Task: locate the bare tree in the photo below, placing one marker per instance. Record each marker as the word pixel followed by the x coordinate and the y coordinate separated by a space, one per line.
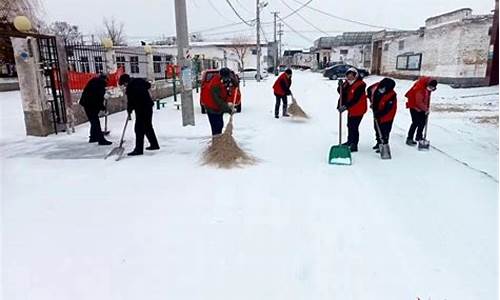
pixel 9 9
pixel 68 32
pixel 114 30
pixel 240 47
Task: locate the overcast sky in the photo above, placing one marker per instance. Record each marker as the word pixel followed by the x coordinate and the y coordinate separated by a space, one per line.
pixel 149 19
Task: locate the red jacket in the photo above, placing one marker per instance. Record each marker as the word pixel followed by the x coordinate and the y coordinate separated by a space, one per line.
pixel 418 96
pixel 354 98
pixel 282 85
pixel 216 86
pixel 384 109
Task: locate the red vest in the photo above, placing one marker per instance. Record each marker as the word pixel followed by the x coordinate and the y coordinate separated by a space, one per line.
pixel 208 101
pixel 278 90
pixel 389 117
pixel 418 92
pixel 359 108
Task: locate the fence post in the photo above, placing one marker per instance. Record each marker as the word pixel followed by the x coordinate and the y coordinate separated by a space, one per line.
pixel 174 81
pixel 110 58
pixel 63 69
pixel 150 67
pixel 35 105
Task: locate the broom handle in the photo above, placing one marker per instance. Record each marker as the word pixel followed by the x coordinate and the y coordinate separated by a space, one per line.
pixel 340 114
pixel 426 125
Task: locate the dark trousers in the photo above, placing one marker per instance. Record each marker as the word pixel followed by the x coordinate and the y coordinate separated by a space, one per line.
pixel 280 99
pixel 216 122
pixel 385 129
pixel 418 119
pixel 95 125
pixel 144 126
pixel 353 129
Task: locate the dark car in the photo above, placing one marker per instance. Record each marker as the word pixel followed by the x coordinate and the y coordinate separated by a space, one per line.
pixel 338 71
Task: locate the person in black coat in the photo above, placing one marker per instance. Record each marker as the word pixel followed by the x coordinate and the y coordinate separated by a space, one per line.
pixel 92 100
pixel 139 100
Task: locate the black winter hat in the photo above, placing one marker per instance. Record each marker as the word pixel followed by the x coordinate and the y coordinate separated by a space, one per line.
pixel 225 72
pixel 124 78
pixel 388 83
pixel 433 83
pixel 288 71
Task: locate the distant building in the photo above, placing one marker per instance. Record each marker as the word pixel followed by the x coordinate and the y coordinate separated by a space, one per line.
pixel 452 47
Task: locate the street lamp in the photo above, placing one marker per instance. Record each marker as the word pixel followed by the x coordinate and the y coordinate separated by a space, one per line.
pixel 107 43
pixel 22 23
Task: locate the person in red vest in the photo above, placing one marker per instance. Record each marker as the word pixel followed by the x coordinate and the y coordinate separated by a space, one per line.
pixel 384 102
pixel 220 99
pixel 353 100
pixel 281 90
pixel 419 97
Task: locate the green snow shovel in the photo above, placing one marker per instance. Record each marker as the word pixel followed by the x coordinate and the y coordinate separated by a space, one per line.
pixel 340 154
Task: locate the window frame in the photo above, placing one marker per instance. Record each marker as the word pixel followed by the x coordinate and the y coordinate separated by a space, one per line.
pixel 407 64
pixel 134 65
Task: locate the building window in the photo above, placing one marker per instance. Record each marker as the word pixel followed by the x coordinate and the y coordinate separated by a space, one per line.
pixel 99 67
pixel 386 47
pixel 409 62
pixel 157 63
pixel 344 51
pixel 134 64
pixel 401 45
pixel 120 62
pixel 84 64
pixel 254 51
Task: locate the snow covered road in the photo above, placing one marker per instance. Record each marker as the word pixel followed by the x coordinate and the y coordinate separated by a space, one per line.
pixel 424 224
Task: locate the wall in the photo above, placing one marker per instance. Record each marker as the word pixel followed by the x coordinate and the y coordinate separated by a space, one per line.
pixel 453 52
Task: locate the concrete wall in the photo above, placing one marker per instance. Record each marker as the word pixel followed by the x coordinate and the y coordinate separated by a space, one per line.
pixel 356 55
pixel 117 102
pixel 454 49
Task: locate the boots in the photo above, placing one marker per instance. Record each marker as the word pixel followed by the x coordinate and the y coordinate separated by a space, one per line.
pixel 104 142
pixel 354 148
pixel 153 148
pixel 135 153
pixel 410 142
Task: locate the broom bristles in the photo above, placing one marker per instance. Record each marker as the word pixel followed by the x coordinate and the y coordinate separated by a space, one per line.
pixel 295 110
pixel 224 152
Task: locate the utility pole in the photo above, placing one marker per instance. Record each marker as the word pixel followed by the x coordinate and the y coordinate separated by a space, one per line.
pixel 275 45
pixel 184 61
pixel 258 40
pixel 280 33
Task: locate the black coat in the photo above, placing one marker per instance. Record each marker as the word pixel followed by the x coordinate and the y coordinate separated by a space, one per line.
pixel 93 95
pixel 138 96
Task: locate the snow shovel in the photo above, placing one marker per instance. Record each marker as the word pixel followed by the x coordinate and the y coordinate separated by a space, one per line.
pixel 385 150
pixel 118 151
pixel 106 113
pixel 424 144
pixel 340 154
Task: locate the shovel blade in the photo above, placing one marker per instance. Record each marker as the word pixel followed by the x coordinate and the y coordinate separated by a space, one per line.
pixel 424 145
pixel 385 151
pixel 115 151
pixel 340 155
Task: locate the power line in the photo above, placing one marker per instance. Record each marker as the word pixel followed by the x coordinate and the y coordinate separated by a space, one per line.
pixel 345 19
pixel 293 12
pixel 304 19
pixel 244 8
pixel 216 10
pixel 295 31
pixel 237 14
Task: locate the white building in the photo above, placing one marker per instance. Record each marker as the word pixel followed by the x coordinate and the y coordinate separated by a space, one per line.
pixel 223 53
pixel 452 47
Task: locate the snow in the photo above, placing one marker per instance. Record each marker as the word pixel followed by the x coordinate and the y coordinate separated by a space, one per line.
pixel 160 226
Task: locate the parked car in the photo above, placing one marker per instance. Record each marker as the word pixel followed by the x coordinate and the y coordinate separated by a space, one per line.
pixel 282 68
pixel 251 73
pixel 338 71
pixel 206 76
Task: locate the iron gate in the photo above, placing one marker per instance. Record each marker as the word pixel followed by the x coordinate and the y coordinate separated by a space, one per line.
pixel 49 63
